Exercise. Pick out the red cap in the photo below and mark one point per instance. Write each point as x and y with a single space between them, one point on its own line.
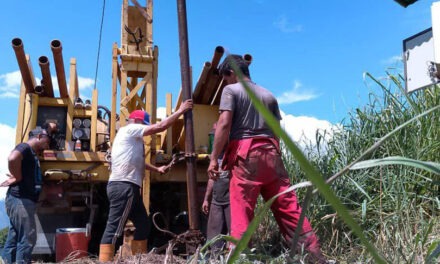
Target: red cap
140 115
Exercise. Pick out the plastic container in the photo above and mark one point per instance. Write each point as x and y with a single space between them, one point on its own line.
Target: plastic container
78 145
71 243
211 138
211 142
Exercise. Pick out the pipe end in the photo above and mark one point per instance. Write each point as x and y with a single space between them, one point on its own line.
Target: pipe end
219 49
247 58
55 44
17 42
43 60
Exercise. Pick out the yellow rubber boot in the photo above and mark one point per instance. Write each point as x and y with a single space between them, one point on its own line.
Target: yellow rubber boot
106 252
138 247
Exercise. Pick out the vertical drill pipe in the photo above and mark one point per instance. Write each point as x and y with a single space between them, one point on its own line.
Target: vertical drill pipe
43 61
191 175
59 67
17 44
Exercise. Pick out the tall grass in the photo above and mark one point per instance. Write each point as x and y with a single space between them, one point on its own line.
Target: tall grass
397 206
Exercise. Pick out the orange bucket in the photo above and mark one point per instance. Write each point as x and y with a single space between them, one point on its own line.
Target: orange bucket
71 243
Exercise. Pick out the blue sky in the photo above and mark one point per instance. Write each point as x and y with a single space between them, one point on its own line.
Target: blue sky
310 54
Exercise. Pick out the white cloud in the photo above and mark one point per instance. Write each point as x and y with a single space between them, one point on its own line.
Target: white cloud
85 87
7 142
284 25
161 113
85 83
10 84
302 129
393 60
296 95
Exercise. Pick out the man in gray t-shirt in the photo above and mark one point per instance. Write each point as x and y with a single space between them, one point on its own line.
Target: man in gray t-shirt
247 121
254 160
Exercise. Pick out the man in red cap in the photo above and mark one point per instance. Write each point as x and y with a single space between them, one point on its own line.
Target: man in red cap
254 159
128 170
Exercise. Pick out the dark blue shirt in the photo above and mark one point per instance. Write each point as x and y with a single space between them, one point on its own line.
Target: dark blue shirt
30 183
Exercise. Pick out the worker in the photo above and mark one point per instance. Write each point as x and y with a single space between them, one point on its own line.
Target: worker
125 182
24 182
254 159
216 206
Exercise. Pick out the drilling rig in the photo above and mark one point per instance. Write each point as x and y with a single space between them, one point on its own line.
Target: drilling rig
77 166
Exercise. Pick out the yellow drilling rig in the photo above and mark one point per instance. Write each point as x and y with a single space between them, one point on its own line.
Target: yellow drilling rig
77 166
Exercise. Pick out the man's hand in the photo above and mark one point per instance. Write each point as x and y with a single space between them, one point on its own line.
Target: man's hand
9 181
185 106
5 183
205 207
213 172
162 169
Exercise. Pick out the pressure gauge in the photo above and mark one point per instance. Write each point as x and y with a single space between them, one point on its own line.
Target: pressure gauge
86 123
77 123
78 133
86 133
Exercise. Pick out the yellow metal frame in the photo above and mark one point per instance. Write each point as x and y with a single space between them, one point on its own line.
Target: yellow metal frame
134 68
66 160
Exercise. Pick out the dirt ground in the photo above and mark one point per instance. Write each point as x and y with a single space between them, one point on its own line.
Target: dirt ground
144 258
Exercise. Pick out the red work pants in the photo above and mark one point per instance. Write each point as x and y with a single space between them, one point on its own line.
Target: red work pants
263 172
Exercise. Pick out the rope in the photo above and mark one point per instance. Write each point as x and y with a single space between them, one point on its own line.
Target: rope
99 42
29 120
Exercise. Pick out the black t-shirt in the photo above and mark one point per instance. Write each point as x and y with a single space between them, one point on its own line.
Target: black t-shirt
26 188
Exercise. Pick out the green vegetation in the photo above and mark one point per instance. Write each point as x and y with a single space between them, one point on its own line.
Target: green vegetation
3 236
397 205
386 207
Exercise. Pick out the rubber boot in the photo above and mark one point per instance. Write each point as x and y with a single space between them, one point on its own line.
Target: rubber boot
310 243
138 247
106 252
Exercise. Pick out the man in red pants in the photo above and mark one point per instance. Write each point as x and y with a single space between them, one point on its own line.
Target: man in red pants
254 159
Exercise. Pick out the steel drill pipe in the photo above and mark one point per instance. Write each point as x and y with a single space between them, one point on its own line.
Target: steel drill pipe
218 53
17 44
39 89
43 61
198 90
190 154
59 67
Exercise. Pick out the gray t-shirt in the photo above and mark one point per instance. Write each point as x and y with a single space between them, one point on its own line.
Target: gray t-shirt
246 120
220 189
128 158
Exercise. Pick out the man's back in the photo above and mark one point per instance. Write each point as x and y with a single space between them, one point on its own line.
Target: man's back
128 161
247 121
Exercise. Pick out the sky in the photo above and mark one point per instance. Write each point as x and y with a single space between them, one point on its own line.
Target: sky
311 54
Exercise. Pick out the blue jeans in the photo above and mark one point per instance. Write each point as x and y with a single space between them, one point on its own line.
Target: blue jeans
22 233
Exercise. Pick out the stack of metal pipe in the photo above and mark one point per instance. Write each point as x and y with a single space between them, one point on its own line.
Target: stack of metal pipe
46 87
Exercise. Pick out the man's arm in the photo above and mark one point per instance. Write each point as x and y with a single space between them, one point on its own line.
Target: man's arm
220 139
161 169
208 196
14 165
164 124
